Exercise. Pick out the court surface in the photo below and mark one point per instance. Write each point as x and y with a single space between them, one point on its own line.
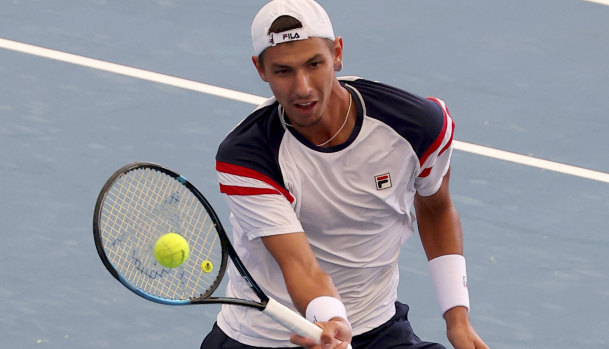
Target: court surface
526 77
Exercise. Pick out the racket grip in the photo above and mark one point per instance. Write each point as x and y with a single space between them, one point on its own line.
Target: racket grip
293 321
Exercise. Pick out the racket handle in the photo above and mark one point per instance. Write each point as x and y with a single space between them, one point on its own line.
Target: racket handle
293 321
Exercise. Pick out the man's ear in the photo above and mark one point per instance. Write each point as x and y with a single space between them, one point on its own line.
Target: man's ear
259 68
338 53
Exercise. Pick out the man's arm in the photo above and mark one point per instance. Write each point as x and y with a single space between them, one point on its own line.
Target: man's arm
303 276
440 232
438 222
306 281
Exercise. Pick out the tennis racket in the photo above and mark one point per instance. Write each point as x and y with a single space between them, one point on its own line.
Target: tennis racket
143 201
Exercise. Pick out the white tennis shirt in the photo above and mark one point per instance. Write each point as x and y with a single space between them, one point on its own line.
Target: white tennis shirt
353 201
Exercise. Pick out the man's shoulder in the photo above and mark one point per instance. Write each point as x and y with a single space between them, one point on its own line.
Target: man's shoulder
382 98
258 126
418 119
255 141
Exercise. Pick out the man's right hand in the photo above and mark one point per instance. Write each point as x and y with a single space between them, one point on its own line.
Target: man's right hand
336 335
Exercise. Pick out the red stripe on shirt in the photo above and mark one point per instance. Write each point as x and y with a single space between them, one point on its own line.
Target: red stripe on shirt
438 142
449 141
249 173
235 190
425 172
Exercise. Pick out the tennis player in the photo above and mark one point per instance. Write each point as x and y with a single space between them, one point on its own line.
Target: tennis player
321 180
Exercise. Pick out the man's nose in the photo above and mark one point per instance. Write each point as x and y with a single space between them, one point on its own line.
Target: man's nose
302 84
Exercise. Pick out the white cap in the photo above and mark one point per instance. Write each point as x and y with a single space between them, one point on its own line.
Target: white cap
314 19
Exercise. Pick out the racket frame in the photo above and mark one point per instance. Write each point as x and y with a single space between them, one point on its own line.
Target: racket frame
277 311
227 247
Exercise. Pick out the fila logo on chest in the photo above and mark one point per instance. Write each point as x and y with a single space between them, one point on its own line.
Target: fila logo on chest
383 181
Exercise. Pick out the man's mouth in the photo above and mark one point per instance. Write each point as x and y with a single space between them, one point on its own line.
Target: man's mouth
305 106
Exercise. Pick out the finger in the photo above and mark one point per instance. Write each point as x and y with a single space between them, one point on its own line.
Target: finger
480 344
302 341
343 345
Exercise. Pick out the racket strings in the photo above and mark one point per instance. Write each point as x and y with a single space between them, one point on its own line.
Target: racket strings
141 206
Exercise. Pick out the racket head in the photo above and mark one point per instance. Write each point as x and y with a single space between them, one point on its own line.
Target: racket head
136 206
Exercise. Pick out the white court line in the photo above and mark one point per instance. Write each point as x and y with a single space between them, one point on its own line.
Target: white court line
253 99
531 161
129 71
602 2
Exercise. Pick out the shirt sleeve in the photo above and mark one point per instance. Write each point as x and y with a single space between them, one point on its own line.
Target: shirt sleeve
435 162
259 206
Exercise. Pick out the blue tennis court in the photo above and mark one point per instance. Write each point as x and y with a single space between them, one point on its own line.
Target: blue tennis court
528 78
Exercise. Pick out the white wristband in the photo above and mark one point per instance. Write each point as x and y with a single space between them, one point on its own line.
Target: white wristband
324 308
450 280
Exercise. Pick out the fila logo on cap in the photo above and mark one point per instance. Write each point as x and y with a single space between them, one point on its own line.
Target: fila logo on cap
288 35
383 181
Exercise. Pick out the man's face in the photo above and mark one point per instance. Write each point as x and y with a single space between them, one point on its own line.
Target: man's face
301 76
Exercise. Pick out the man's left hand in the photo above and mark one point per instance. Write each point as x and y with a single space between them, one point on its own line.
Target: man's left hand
460 331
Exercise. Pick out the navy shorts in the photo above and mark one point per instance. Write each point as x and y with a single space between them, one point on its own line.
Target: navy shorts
394 334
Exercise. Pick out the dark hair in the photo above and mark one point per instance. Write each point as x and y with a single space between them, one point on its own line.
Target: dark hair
279 25
284 23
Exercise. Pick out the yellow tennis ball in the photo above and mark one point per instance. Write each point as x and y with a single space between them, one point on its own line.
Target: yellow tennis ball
207 266
171 250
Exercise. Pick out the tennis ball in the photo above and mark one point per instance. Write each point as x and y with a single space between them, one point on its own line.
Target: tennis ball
171 250
207 266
